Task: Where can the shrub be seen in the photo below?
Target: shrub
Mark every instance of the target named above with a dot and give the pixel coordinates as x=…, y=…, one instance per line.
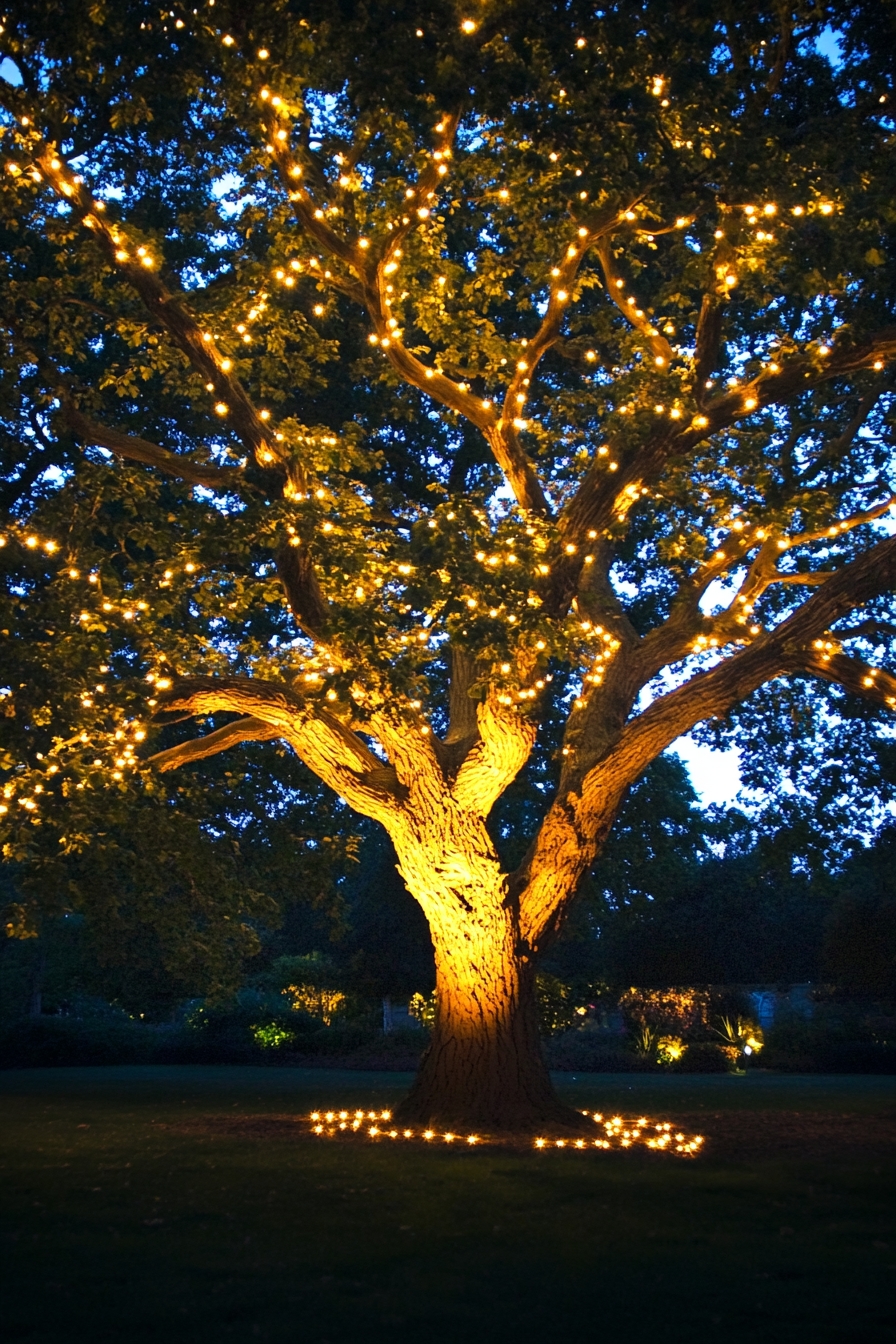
x=326, y=1004
x=840, y=1037
x=53, y=1041
x=581, y=1052
x=704, y=1057
x=238, y=1029
x=557, y=1004
x=270, y=1035
x=680, y=1010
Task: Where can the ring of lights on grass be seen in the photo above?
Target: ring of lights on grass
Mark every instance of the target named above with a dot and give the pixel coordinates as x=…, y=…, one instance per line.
x=617, y=1133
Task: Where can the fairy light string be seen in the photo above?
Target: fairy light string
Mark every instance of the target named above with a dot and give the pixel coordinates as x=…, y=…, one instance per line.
x=617, y=1133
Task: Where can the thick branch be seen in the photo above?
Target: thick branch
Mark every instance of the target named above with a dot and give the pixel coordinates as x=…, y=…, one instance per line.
x=200, y=349
x=798, y=375
x=872, y=683
x=134, y=449
x=837, y=528
x=332, y=751
x=707, y=345
x=198, y=748
x=462, y=724
x=502, y=433
x=506, y=739
x=499, y=432
x=711, y=694
x=764, y=572
x=303, y=593
x=371, y=264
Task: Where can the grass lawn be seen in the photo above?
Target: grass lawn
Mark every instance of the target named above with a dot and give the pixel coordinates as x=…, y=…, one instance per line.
x=169, y=1204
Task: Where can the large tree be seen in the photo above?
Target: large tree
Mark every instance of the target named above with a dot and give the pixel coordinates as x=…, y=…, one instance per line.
x=434, y=370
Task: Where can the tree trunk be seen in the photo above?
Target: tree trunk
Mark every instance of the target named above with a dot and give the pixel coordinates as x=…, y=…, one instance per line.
x=484, y=1069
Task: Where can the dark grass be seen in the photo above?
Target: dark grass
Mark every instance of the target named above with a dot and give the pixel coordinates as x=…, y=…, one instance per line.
x=162, y=1204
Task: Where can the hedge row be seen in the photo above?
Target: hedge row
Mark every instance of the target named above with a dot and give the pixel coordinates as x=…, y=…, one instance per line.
x=58, y=1041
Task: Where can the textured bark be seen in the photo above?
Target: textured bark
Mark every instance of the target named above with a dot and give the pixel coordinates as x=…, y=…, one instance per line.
x=484, y=1068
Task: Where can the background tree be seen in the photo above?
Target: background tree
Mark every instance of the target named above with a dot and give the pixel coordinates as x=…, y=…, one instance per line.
x=435, y=374
x=859, y=951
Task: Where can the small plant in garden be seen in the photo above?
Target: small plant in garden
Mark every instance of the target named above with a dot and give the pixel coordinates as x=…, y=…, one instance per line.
x=740, y=1037
x=645, y=1040
x=670, y=1049
x=422, y=1007
x=270, y=1035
